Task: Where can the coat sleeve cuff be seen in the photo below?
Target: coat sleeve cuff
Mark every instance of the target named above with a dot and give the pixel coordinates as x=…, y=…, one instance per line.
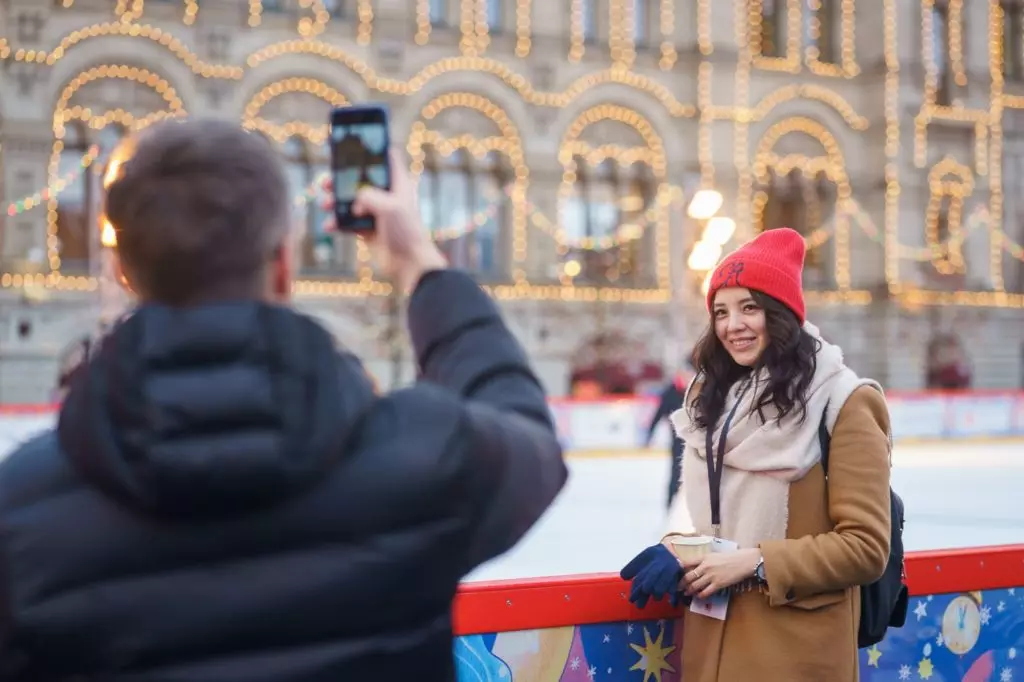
x=777, y=573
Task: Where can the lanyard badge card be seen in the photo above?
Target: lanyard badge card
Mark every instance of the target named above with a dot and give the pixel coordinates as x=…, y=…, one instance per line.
x=718, y=604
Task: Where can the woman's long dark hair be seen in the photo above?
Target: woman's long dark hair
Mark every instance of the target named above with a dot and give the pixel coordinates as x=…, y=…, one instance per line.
x=790, y=358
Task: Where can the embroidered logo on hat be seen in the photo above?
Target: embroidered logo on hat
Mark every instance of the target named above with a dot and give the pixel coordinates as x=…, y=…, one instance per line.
x=728, y=275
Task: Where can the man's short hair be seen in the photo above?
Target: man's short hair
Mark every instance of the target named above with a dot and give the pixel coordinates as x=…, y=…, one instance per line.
x=200, y=209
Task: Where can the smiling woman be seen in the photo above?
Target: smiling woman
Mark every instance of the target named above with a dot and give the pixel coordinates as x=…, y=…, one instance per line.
x=787, y=546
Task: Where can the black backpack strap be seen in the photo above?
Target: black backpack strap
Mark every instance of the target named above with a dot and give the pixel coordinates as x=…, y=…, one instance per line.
x=824, y=439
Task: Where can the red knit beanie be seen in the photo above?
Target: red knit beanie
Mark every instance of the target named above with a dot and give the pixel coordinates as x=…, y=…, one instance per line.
x=772, y=263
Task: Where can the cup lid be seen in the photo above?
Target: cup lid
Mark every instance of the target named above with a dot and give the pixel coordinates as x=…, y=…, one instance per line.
x=695, y=540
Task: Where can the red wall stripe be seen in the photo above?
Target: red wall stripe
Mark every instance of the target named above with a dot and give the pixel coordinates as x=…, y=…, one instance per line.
x=508, y=605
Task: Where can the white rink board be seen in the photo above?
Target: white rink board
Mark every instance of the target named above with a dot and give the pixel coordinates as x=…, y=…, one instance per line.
x=620, y=425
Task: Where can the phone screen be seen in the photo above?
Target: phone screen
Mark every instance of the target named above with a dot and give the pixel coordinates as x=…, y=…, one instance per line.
x=359, y=157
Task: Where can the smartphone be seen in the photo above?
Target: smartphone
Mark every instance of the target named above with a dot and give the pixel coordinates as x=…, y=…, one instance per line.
x=359, y=157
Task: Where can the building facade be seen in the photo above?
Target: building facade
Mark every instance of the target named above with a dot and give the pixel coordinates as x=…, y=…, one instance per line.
x=558, y=145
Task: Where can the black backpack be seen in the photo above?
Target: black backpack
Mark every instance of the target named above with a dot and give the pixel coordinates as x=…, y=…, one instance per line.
x=883, y=603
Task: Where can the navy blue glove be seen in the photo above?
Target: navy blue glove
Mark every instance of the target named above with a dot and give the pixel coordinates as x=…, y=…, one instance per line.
x=655, y=572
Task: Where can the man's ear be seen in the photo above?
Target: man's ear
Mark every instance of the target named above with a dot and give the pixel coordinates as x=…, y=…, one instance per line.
x=123, y=276
x=281, y=272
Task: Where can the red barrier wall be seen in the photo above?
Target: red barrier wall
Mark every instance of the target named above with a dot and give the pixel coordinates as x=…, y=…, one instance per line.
x=507, y=605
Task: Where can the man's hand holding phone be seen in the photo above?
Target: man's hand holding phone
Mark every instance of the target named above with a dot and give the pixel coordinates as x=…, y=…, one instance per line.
x=403, y=249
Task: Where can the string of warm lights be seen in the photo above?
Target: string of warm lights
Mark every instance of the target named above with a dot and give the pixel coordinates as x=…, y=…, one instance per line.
x=987, y=123
x=308, y=27
x=949, y=184
x=996, y=101
x=255, y=13
x=364, y=10
x=892, y=145
x=128, y=13
x=577, y=37
x=423, y=24
x=482, y=27
x=621, y=42
x=53, y=189
x=191, y=10
x=833, y=165
x=658, y=165
x=523, y=30
x=745, y=38
x=847, y=66
x=154, y=33
x=508, y=144
x=789, y=63
x=279, y=132
x=813, y=92
x=467, y=25
x=955, y=24
x=667, y=26
x=509, y=76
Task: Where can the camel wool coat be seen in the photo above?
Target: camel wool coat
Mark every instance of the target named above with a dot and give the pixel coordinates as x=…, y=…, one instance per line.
x=803, y=626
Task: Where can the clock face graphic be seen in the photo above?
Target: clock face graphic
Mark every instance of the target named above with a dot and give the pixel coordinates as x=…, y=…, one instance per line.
x=961, y=625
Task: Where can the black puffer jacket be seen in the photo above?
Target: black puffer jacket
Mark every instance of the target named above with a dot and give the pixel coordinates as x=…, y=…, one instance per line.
x=226, y=500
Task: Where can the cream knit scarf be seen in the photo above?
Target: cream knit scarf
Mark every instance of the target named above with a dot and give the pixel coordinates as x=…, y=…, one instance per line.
x=761, y=459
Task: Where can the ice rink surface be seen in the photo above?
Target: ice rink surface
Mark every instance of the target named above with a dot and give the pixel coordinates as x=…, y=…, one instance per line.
x=956, y=495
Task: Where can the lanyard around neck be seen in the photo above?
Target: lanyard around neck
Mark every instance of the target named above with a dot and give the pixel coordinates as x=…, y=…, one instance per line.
x=715, y=467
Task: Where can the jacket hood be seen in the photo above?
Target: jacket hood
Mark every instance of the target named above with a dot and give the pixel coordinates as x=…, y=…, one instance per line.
x=212, y=410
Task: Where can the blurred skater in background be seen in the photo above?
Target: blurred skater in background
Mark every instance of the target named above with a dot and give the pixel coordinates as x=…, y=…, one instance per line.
x=671, y=400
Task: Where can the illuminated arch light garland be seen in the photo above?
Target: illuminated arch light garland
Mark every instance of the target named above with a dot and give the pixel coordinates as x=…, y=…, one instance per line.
x=950, y=180
x=847, y=67
x=62, y=114
x=832, y=165
x=364, y=10
x=315, y=133
x=791, y=63
x=509, y=144
x=53, y=189
x=978, y=219
x=116, y=28
x=891, y=78
x=313, y=27
x=657, y=162
x=524, y=39
x=494, y=67
x=129, y=10
x=810, y=92
x=191, y=10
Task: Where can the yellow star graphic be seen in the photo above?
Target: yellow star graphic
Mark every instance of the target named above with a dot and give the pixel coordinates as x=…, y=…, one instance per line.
x=873, y=655
x=925, y=669
x=652, y=656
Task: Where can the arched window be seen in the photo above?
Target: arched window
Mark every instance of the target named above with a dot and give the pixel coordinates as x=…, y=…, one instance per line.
x=806, y=204
x=828, y=17
x=589, y=16
x=610, y=202
x=74, y=202
x=640, y=22
x=108, y=139
x=322, y=253
x=774, y=27
x=439, y=12
x=463, y=204
x=495, y=15
x=940, y=52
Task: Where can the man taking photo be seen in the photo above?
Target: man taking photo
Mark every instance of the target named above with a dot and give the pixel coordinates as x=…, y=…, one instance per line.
x=225, y=498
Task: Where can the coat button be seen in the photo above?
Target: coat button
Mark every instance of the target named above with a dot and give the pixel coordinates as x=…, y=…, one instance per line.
x=790, y=595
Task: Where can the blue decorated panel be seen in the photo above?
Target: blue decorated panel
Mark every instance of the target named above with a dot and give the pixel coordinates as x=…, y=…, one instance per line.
x=969, y=637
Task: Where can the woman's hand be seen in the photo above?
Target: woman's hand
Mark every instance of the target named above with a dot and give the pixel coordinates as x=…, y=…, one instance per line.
x=654, y=572
x=719, y=570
